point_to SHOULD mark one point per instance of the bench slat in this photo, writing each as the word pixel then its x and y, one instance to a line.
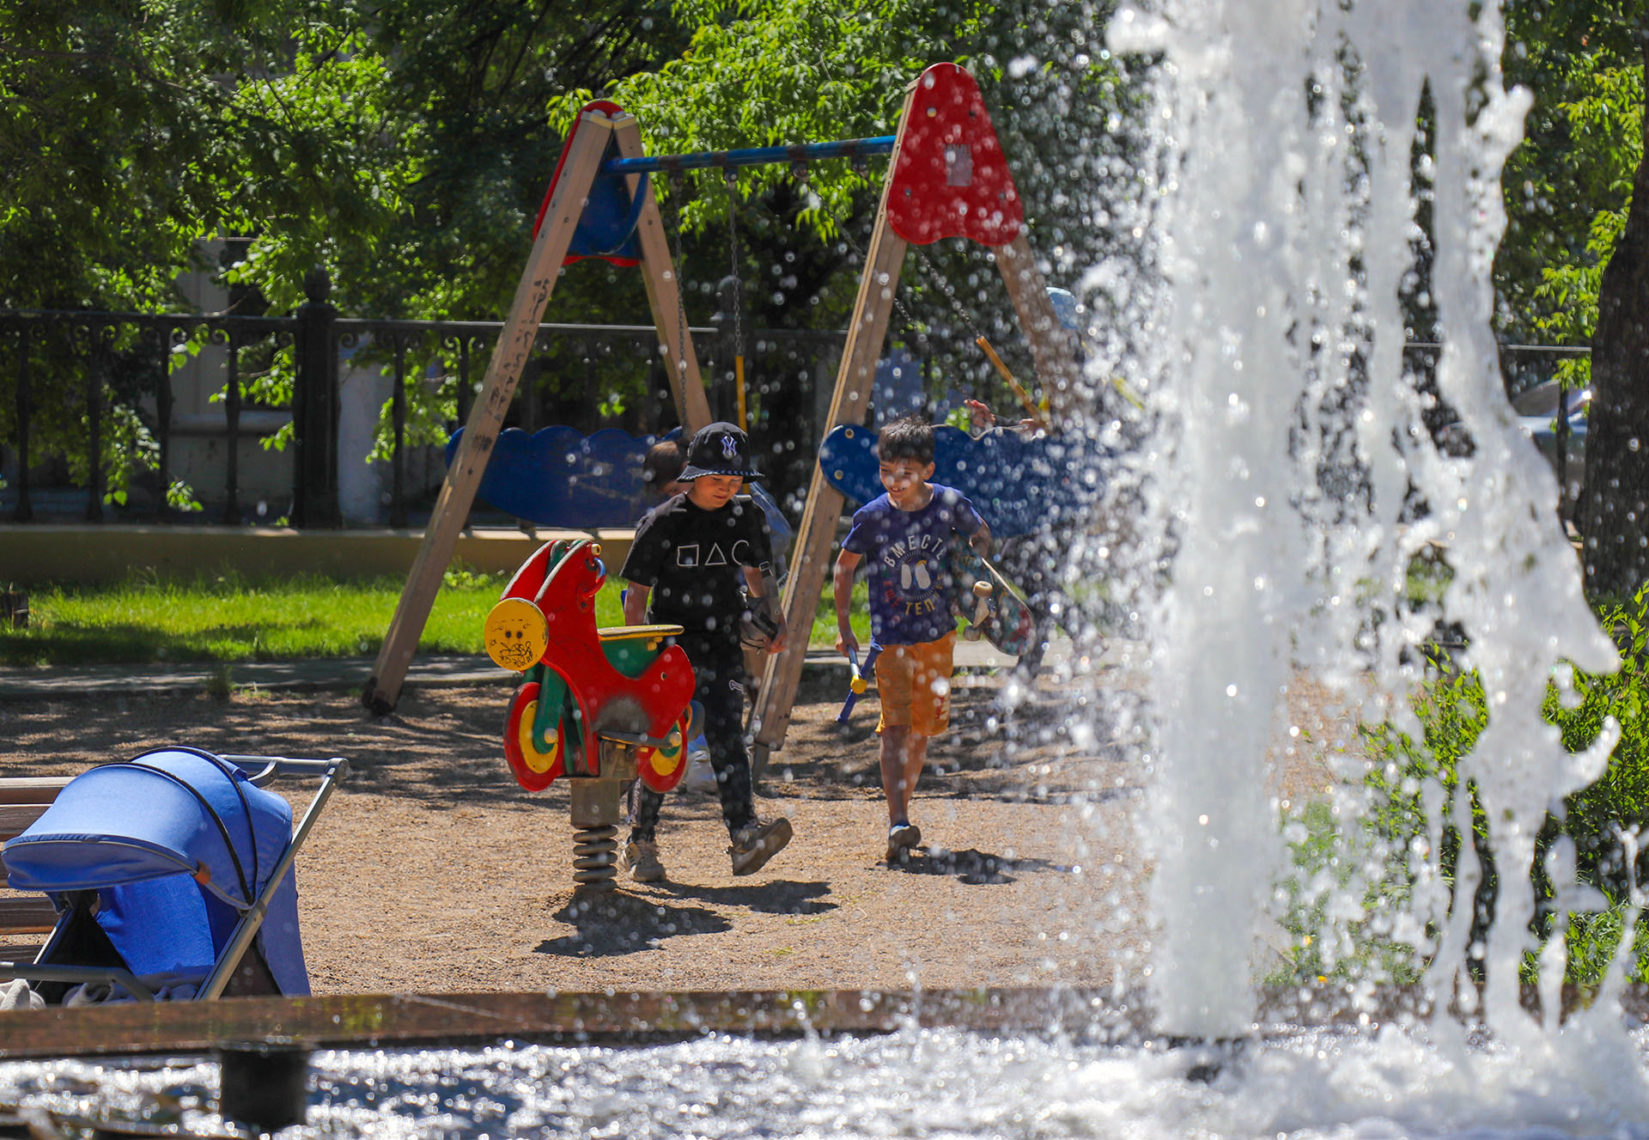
pixel 15 818
pixel 24 799
pixel 31 789
pixel 26 914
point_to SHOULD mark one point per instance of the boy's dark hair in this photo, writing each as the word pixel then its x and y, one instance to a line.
pixel 909 437
pixel 662 464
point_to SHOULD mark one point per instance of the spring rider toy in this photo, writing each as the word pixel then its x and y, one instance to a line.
pixel 598 706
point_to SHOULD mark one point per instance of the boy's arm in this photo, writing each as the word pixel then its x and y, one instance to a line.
pixel 980 540
pixel 764 591
pixel 635 603
pixel 841 590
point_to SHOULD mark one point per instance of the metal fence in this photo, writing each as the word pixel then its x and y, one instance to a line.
pixel 116 373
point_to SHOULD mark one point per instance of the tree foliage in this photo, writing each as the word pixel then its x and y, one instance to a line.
pixel 1568 186
pixel 404 148
pixel 1572 268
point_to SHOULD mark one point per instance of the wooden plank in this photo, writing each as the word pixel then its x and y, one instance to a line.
pixel 816 537
pixel 515 343
pixel 31 789
pixel 15 817
pixel 26 914
pixel 662 279
pixel 383 1020
pixel 1052 348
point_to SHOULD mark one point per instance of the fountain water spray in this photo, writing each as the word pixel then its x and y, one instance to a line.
pixel 1288 224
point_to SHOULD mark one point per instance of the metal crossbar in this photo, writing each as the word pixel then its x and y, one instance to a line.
pixel 751 156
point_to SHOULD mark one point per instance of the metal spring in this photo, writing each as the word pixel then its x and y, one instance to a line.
pixel 595 858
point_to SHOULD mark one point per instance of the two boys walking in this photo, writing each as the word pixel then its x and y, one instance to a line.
pixel 701 560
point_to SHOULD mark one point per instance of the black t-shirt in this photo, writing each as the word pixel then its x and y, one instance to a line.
pixel 690 558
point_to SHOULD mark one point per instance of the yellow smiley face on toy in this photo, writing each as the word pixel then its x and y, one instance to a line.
pixel 516 634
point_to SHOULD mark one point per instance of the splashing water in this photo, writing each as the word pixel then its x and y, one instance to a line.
pixel 1288 228
pixel 1284 210
pixel 937 1083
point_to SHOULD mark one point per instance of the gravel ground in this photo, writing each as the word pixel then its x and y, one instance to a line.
pixel 433 871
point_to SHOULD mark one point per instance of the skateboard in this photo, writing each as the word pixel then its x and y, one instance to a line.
pixel 989 604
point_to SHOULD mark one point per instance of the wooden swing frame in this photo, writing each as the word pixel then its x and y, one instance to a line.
pixel 1052 353
pixel 586 149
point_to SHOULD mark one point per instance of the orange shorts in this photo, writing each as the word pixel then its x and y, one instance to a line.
pixel 913 685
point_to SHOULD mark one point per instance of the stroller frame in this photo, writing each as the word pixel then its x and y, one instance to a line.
pixel 260 771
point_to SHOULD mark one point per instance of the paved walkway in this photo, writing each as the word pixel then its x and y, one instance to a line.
pixel 346 673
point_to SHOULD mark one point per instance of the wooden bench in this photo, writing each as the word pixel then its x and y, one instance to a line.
pixel 23 799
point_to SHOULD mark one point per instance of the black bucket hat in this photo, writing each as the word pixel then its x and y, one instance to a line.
pixel 718 449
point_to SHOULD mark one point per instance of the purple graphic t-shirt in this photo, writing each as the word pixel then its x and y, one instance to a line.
pixel 905 559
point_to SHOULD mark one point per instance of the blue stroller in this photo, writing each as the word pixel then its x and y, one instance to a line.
pixel 171 874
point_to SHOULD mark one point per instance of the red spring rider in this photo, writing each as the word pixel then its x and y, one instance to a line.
pixel 599 706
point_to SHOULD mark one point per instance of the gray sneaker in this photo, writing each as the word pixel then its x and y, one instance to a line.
pixel 753 846
pixel 640 861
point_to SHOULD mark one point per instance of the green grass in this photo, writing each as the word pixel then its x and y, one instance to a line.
pixel 823 635
pixel 229 618
pixel 234 618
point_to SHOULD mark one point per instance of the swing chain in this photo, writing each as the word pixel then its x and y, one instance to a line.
pixel 732 183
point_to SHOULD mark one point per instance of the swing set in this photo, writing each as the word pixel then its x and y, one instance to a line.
pixel 947 177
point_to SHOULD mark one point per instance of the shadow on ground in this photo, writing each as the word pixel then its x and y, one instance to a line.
pixel 606 926
pixel 776 896
pixel 976 868
pixel 1061 748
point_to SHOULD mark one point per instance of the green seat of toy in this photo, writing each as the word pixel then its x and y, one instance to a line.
pixel 631 648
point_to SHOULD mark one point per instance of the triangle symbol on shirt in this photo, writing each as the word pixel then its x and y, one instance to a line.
pixel 716 557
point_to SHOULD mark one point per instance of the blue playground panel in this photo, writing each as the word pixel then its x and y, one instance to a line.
pixel 1018 484
pixel 558 477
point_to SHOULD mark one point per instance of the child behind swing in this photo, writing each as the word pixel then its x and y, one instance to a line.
pixel 702 560
pixel 905 537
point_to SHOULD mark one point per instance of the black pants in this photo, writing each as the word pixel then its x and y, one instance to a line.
pixel 718 665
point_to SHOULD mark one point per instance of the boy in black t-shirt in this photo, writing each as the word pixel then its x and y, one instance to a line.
pixel 702 560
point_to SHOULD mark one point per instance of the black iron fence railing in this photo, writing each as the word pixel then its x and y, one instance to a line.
pixel 97 361
pixel 87 376
pixel 95 378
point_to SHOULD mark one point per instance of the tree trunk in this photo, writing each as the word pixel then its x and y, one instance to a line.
pixel 1615 503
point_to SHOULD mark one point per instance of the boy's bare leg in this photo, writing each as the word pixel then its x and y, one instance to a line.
pixel 894 738
pixel 903 755
pixel 916 757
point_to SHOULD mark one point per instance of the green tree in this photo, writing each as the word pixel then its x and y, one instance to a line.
pixel 1566 188
pixel 108 136
pixel 404 148
pixel 1574 267
pixel 762 72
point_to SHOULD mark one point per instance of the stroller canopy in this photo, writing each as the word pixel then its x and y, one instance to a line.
pixel 180 843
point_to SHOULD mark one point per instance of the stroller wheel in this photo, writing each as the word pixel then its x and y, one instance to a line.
pixel 534 768
pixel 661 768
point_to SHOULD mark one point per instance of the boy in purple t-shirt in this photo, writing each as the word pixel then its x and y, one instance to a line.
pixel 905 535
